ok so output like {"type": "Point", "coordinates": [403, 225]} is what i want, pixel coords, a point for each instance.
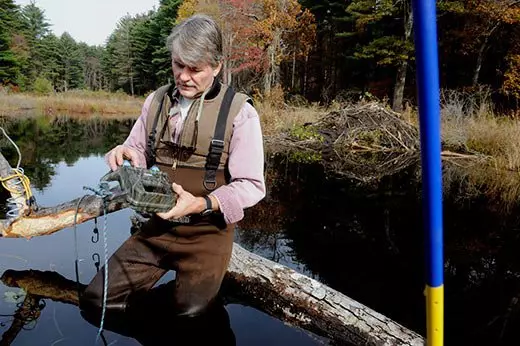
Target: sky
{"type": "Point", "coordinates": [89, 21]}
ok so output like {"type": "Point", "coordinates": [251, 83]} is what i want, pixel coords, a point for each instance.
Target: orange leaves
{"type": "Point", "coordinates": [511, 84]}
{"type": "Point", "coordinates": [258, 34]}
{"type": "Point", "coordinates": [285, 23]}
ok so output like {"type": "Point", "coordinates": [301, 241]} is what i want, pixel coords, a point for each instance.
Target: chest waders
{"type": "Point", "coordinates": [199, 249]}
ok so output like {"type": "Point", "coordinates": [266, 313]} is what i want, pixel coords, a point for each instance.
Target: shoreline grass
{"type": "Point", "coordinates": [468, 126]}
{"type": "Point", "coordinates": [73, 103]}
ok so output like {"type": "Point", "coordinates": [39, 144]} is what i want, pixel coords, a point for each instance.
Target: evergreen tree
{"type": "Point", "coordinates": [382, 32]}
{"type": "Point", "coordinates": [9, 61]}
{"type": "Point", "coordinates": [70, 70]}
{"type": "Point", "coordinates": [49, 50]}
{"type": "Point", "coordinates": [161, 27]}
{"type": "Point", "coordinates": [144, 71]}
{"type": "Point", "coordinates": [35, 28]}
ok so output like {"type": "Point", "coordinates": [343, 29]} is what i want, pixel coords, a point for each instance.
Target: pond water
{"type": "Point", "coordinates": [364, 240]}
{"type": "Point", "coordinates": [61, 157]}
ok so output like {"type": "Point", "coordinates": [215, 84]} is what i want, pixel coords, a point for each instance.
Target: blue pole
{"type": "Point", "coordinates": [425, 31]}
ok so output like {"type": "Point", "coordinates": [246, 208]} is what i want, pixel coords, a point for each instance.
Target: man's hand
{"type": "Point", "coordinates": [186, 204]}
{"type": "Point", "coordinates": [121, 153]}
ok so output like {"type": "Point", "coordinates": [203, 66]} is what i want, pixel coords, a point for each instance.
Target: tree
{"type": "Point", "coordinates": [50, 48]}
{"type": "Point", "coordinates": [9, 62]}
{"type": "Point", "coordinates": [325, 68]}
{"type": "Point", "coordinates": [161, 27]}
{"type": "Point", "coordinates": [258, 35]}
{"type": "Point", "coordinates": [278, 24]}
{"type": "Point", "coordinates": [483, 20]}
{"type": "Point", "coordinates": [35, 28]}
{"type": "Point", "coordinates": [122, 53]}
{"type": "Point", "coordinates": [69, 63]}
{"type": "Point", "coordinates": [383, 42]}
{"type": "Point", "coordinates": [141, 35]}
{"type": "Point", "coordinates": [92, 73]}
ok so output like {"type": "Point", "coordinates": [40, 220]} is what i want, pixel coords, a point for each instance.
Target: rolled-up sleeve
{"type": "Point", "coordinates": [246, 167]}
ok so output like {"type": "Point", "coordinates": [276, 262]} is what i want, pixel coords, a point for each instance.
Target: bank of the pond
{"type": "Point", "coordinates": [368, 141]}
{"type": "Point", "coordinates": [75, 102]}
{"type": "Point", "coordinates": [364, 141]}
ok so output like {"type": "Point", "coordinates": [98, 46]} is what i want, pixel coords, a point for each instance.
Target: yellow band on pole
{"type": "Point", "coordinates": [435, 315]}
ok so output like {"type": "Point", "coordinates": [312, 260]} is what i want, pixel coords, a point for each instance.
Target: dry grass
{"type": "Point", "coordinates": [71, 103]}
{"type": "Point", "coordinates": [469, 126]}
{"type": "Point", "coordinates": [277, 116]}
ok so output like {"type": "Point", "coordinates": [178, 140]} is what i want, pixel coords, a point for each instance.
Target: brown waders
{"type": "Point", "coordinates": [199, 253]}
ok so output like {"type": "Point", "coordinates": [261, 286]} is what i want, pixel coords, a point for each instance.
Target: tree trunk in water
{"type": "Point", "coordinates": [400, 80]}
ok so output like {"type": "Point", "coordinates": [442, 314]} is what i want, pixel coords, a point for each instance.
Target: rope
{"type": "Point", "coordinates": [23, 180]}
{"type": "Point", "coordinates": [103, 192]}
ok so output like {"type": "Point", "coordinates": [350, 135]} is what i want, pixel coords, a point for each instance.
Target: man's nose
{"type": "Point", "coordinates": [184, 75]}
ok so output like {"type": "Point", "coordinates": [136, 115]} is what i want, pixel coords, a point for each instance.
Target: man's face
{"type": "Point", "coordinates": [193, 80]}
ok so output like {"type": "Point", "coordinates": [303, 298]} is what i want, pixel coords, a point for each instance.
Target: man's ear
{"type": "Point", "coordinates": [217, 69]}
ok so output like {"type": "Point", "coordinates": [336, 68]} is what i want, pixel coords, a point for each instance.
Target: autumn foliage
{"type": "Point", "coordinates": [258, 35]}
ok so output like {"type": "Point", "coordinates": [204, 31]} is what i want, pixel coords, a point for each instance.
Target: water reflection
{"type": "Point", "coordinates": [64, 156]}
{"type": "Point", "coordinates": [364, 240]}
{"type": "Point", "coordinates": [150, 322]}
{"type": "Point", "coordinates": [46, 141]}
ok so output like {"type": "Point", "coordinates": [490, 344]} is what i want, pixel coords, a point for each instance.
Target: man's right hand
{"type": "Point", "coordinates": [120, 153]}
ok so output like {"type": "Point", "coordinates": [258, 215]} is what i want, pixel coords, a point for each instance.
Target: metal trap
{"type": "Point", "coordinates": [147, 190]}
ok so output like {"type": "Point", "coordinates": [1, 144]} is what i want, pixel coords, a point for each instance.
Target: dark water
{"type": "Point", "coordinates": [363, 240]}
{"type": "Point", "coordinates": [61, 158]}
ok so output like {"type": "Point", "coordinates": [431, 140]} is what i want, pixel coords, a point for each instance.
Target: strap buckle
{"type": "Point", "coordinates": [218, 144]}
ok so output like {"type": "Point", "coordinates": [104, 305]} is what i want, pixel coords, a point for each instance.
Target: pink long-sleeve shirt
{"type": "Point", "coordinates": [246, 159]}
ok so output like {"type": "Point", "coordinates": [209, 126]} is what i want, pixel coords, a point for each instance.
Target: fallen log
{"type": "Point", "coordinates": [46, 284]}
{"type": "Point", "coordinates": [304, 302]}
{"type": "Point", "coordinates": [47, 220]}
{"type": "Point", "coordinates": [272, 288]}
{"type": "Point", "coordinates": [264, 284]}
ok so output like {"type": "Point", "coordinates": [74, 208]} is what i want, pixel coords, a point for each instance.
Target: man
{"type": "Point", "coordinates": [209, 141]}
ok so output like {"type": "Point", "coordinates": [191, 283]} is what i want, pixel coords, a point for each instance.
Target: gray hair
{"type": "Point", "coordinates": [197, 39]}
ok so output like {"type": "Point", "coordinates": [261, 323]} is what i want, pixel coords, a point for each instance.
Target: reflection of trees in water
{"type": "Point", "coordinates": [366, 241]}
{"type": "Point", "coordinates": [46, 141]}
{"type": "Point", "coordinates": [261, 230]}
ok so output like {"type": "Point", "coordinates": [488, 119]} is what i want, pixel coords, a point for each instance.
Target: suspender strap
{"type": "Point", "coordinates": [217, 143]}
{"type": "Point", "coordinates": [150, 144]}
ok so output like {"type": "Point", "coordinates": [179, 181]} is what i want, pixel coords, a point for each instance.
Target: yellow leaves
{"type": "Point", "coordinates": [511, 84]}
{"type": "Point", "coordinates": [186, 10]}
{"type": "Point", "coordinates": [507, 11]}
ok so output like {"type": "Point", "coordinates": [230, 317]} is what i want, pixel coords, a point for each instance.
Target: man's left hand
{"type": "Point", "coordinates": [186, 204]}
